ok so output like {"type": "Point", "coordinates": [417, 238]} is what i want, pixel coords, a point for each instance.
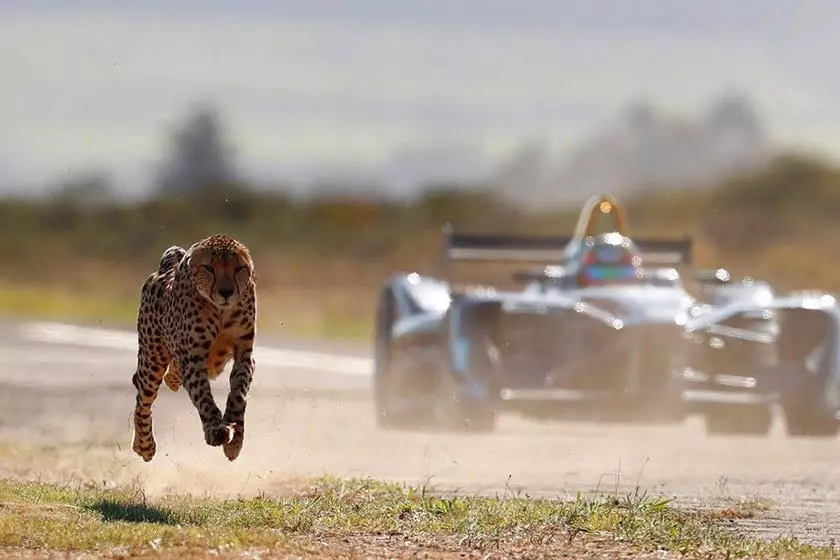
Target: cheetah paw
{"type": "Point", "coordinates": [233, 447]}
{"type": "Point", "coordinates": [145, 451]}
{"type": "Point", "coordinates": [217, 435]}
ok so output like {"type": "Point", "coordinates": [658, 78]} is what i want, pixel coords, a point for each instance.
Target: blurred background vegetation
{"type": "Point", "coordinates": [81, 253]}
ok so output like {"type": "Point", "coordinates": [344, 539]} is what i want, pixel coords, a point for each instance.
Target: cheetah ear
{"type": "Point", "coordinates": [194, 251]}
{"type": "Point", "coordinates": [186, 262]}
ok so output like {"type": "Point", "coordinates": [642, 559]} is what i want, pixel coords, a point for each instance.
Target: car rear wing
{"type": "Point", "coordinates": [503, 248]}
{"type": "Point", "coordinates": [663, 252]}
{"type": "Point", "coordinates": [542, 249]}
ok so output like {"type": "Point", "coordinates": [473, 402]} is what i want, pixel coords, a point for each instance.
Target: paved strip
{"type": "Point", "coordinates": [61, 333]}
{"type": "Point", "coordinates": [56, 356]}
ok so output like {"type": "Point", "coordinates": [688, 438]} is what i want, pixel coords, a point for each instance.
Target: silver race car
{"type": "Point", "coordinates": [602, 330]}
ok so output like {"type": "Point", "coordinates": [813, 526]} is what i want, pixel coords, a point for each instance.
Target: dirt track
{"type": "Point", "coordinates": [80, 400]}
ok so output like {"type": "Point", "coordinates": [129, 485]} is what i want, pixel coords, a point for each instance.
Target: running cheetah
{"type": "Point", "coordinates": [197, 312]}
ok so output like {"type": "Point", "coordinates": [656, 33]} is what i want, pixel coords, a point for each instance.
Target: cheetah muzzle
{"type": "Point", "coordinates": [197, 313]}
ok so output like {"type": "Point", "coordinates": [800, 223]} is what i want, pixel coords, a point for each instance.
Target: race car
{"type": "Point", "coordinates": [598, 331]}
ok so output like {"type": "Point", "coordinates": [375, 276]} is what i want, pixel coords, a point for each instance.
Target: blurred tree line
{"type": "Point", "coordinates": [198, 192]}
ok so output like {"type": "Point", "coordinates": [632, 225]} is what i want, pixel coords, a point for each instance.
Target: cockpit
{"type": "Point", "coordinates": [608, 260]}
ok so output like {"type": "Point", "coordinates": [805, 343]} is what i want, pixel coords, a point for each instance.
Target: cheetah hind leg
{"type": "Point", "coordinates": [172, 377]}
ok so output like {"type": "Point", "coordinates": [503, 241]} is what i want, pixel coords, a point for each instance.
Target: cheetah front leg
{"type": "Point", "coordinates": [195, 381]}
{"type": "Point", "coordinates": [241, 376]}
{"type": "Point", "coordinates": [147, 379]}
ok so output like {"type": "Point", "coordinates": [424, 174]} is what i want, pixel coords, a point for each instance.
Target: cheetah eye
{"type": "Point", "coordinates": [241, 268]}
{"type": "Point", "coordinates": [208, 268]}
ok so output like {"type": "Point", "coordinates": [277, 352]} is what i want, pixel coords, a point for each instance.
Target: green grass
{"type": "Point", "coordinates": [327, 516]}
{"type": "Point", "coordinates": [65, 305]}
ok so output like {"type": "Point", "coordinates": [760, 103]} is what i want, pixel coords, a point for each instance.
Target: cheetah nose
{"type": "Point", "coordinates": [226, 292]}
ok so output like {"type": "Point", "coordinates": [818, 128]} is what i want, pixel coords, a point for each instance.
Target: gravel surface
{"type": "Point", "coordinates": [80, 403]}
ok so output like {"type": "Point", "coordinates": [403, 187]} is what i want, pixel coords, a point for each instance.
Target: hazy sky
{"type": "Point", "coordinates": [302, 83]}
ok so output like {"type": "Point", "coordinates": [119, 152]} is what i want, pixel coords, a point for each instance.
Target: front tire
{"type": "Point", "coordinates": [809, 420]}
{"type": "Point", "coordinates": [385, 416]}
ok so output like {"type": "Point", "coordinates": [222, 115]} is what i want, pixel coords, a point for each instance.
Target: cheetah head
{"type": "Point", "coordinates": [221, 276]}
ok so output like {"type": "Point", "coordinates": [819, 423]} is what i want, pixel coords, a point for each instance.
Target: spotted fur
{"type": "Point", "coordinates": [197, 312]}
